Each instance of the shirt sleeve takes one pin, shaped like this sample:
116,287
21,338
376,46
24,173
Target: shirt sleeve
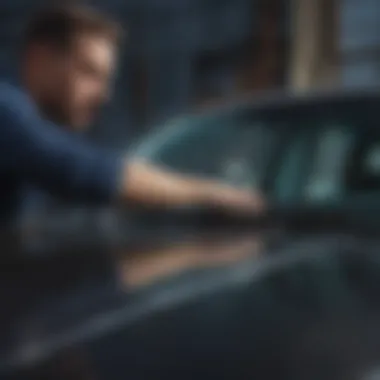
39,152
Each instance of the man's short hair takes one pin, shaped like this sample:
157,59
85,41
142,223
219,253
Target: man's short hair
59,26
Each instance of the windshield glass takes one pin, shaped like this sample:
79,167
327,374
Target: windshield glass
235,149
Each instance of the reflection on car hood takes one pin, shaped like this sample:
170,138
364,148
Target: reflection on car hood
153,279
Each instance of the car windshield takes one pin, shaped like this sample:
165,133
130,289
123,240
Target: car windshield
232,148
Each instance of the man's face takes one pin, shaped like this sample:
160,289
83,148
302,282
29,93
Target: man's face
76,82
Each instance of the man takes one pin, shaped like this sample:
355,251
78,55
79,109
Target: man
68,58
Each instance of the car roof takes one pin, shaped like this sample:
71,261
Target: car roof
270,100
317,95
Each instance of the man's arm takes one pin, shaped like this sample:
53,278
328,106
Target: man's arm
150,184
39,153
57,162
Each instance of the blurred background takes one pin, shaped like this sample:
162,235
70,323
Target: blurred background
184,55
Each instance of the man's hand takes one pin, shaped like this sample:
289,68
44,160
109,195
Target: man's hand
235,200
150,185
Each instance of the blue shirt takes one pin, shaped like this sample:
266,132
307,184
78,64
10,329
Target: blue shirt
35,153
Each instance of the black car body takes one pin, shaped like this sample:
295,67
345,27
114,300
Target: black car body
286,305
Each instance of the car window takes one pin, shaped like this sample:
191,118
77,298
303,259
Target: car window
231,148
333,148
293,163
330,160
364,178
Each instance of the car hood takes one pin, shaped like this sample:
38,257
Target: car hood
149,279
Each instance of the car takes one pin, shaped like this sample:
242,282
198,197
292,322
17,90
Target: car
299,300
